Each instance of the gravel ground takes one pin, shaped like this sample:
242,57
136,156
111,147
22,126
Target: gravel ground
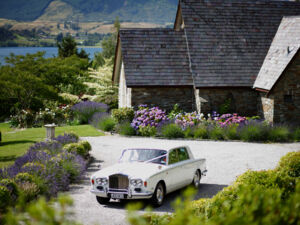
225,161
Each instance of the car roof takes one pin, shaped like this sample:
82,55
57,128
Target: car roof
167,150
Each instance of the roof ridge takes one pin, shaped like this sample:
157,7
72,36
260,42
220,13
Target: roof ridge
154,28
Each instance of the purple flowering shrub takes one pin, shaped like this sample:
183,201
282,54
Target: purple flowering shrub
67,138
150,117
231,119
185,120
47,167
85,110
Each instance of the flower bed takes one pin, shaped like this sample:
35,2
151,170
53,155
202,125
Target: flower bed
155,122
147,119
46,169
59,115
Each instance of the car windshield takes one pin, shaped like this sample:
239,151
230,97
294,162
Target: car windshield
144,155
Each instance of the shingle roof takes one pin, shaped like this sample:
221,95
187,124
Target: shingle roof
155,57
284,47
228,40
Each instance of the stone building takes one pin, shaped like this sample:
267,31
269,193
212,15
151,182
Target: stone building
213,55
278,81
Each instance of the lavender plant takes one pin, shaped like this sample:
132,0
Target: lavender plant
85,110
46,168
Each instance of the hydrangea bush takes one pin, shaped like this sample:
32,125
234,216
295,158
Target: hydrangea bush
146,116
231,119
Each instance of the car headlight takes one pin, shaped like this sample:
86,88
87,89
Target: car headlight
101,181
136,182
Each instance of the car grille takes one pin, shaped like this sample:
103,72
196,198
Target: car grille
118,181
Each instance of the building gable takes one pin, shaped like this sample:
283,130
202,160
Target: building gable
284,48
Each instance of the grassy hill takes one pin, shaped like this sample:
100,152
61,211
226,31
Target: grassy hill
150,11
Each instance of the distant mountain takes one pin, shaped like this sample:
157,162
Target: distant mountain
151,11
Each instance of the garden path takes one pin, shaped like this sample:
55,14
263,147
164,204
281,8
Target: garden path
225,161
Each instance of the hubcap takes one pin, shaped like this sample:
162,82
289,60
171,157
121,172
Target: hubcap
196,179
159,194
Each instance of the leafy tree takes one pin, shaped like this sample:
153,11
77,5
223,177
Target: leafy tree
27,81
68,47
24,86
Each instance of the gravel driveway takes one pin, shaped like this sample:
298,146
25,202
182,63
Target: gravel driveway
225,161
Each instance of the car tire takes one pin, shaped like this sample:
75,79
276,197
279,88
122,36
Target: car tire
196,179
158,195
102,201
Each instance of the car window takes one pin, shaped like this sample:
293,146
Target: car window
173,158
182,154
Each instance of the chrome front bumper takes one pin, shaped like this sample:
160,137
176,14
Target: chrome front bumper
127,195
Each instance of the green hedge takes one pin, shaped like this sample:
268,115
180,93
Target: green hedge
268,197
123,114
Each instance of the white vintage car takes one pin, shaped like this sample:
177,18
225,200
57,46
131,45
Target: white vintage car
148,174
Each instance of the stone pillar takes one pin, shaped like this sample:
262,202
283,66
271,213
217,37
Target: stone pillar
50,131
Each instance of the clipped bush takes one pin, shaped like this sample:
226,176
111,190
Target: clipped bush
279,134
125,128
257,197
123,114
290,164
5,198
147,131
265,178
107,123
81,148
23,177
217,133
87,146
201,132
172,131
12,187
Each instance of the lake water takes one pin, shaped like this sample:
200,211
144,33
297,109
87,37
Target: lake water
50,51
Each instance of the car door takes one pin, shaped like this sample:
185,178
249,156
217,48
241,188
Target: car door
171,177
185,166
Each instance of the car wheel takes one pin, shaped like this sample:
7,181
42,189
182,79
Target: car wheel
158,196
102,201
196,179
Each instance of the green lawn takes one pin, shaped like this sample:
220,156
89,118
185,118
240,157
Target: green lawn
16,142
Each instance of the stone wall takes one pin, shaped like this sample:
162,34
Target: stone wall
243,100
286,95
265,107
164,97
